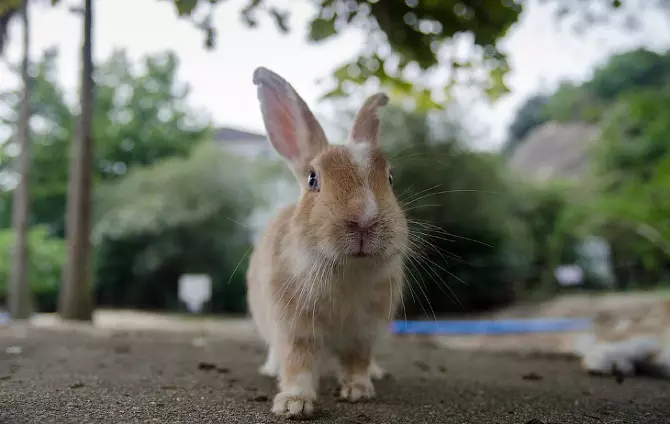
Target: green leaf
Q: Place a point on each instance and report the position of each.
(185, 7)
(321, 29)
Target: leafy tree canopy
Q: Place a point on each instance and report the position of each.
(409, 35)
(140, 116)
(530, 115)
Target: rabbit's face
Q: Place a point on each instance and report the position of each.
(349, 206)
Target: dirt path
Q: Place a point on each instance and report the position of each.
(66, 376)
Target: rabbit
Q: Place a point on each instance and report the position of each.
(327, 275)
(628, 343)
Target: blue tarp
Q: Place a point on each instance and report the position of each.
(510, 326)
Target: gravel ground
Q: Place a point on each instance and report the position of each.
(65, 376)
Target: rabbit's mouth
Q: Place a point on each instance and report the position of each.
(363, 245)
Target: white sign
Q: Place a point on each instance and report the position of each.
(195, 290)
(569, 275)
(597, 255)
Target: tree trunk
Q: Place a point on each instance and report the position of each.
(19, 289)
(76, 301)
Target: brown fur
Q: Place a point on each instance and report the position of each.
(310, 291)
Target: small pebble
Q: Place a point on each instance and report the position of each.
(206, 366)
(422, 366)
(14, 350)
(532, 377)
(260, 398)
(199, 342)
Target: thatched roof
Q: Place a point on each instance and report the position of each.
(555, 150)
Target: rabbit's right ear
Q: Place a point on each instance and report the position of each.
(292, 128)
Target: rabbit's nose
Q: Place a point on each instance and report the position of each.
(362, 226)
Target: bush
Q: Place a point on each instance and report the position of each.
(179, 216)
(470, 248)
(46, 260)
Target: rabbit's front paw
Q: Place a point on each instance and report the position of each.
(293, 406)
(357, 390)
(377, 373)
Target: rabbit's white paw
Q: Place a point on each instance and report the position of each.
(293, 406)
(357, 390)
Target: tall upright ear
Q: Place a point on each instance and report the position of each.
(292, 128)
(366, 123)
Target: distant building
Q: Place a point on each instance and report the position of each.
(279, 192)
(244, 143)
(555, 150)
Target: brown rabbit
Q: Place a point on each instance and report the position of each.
(629, 342)
(328, 274)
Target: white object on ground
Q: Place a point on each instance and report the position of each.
(195, 290)
(569, 275)
(14, 350)
(626, 356)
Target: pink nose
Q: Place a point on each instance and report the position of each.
(362, 227)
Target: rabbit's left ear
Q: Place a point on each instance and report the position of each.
(292, 128)
(366, 123)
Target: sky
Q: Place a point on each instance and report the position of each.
(541, 54)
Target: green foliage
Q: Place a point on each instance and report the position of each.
(572, 103)
(529, 116)
(470, 248)
(182, 215)
(623, 74)
(542, 208)
(632, 170)
(412, 34)
(624, 199)
(140, 117)
(626, 72)
(47, 257)
(405, 36)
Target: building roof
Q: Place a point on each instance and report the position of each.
(224, 134)
(555, 150)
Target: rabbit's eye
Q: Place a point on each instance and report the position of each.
(312, 182)
(390, 178)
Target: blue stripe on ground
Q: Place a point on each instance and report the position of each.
(510, 326)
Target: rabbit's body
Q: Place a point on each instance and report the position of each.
(629, 343)
(327, 275)
(317, 299)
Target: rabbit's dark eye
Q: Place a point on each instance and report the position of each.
(390, 178)
(312, 181)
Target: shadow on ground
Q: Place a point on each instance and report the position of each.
(66, 376)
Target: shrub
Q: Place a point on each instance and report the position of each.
(471, 249)
(46, 260)
(179, 216)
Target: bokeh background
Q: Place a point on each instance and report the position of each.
(524, 135)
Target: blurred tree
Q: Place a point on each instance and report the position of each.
(76, 295)
(141, 116)
(632, 167)
(414, 35)
(623, 200)
(469, 249)
(46, 259)
(623, 73)
(19, 293)
(531, 114)
(183, 215)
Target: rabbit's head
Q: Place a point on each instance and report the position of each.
(347, 206)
